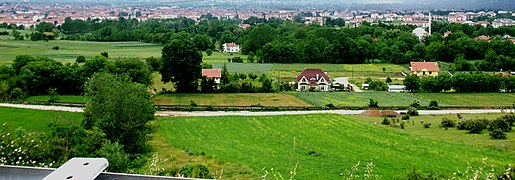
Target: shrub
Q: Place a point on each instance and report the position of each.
(330, 105)
(402, 124)
(475, 126)
(500, 123)
(237, 60)
(105, 54)
(385, 121)
(193, 103)
(461, 125)
(313, 153)
(18, 94)
(498, 134)
(209, 52)
(433, 103)
(426, 124)
(55, 48)
(415, 104)
(412, 111)
(509, 118)
(373, 103)
(405, 117)
(195, 171)
(53, 95)
(446, 122)
(80, 59)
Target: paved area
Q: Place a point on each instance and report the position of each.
(345, 81)
(249, 113)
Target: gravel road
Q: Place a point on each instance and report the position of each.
(248, 113)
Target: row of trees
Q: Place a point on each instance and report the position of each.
(461, 82)
(38, 75)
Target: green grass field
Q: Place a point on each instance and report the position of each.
(404, 99)
(33, 120)
(232, 99)
(70, 50)
(244, 67)
(324, 145)
(221, 57)
(61, 98)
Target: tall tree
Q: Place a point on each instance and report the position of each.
(121, 109)
(181, 65)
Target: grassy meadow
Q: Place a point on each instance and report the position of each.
(404, 99)
(230, 99)
(326, 145)
(33, 120)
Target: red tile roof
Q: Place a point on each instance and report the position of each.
(430, 66)
(313, 75)
(212, 73)
(232, 45)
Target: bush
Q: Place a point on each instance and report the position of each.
(55, 48)
(195, 171)
(209, 52)
(426, 124)
(330, 105)
(18, 94)
(405, 117)
(446, 122)
(385, 121)
(80, 59)
(193, 103)
(475, 126)
(105, 54)
(412, 111)
(433, 103)
(373, 103)
(415, 104)
(498, 134)
(461, 125)
(509, 118)
(500, 123)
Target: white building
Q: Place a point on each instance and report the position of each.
(231, 47)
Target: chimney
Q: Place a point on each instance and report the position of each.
(317, 77)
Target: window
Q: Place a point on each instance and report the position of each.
(430, 72)
(322, 88)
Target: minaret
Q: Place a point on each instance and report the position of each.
(430, 23)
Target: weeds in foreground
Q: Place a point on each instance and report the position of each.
(356, 173)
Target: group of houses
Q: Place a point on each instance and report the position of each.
(318, 80)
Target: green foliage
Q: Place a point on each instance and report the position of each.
(426, 124)
(412, 111)
(250, 58)
(18, 94)
(137, 70)
(236, 60)
(405, 117)
(195, 171)
(330, 105)
(499, 123)
(105, 54)
(55, 48)
(114, 153)
(373, 103)
(415, 104)
(498, 134)
(475, 126)
(510, 118)
(4, 90)
(80, 59)
(121, 109)
(388, 79)
(181, 65)
(446, 122)
(209, 52)
(154, 63)
(385, 121)
(412, 83)
(53, 95)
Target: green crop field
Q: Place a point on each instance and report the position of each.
(230, 99)
(221, 57)
(70, 50)
(33, 120)
(244, 67)
(323, 145)
(404, 99)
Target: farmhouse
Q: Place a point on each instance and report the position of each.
(315, 79)
(215, 74)
(231, 47)
(424, 68)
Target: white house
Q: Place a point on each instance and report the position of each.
(215, 74)
(313, 79)
(231, 47)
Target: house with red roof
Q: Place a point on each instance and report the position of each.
(231, 47)
(424, 68)
(215, 74)
(313, 79)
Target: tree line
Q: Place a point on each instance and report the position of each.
(29, 76)
(461, 82)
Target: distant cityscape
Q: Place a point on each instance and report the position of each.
(27, 15)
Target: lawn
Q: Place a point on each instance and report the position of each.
(404, 99)
(230, 99)
(246, 68)
(33, 120)
(323, 145)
